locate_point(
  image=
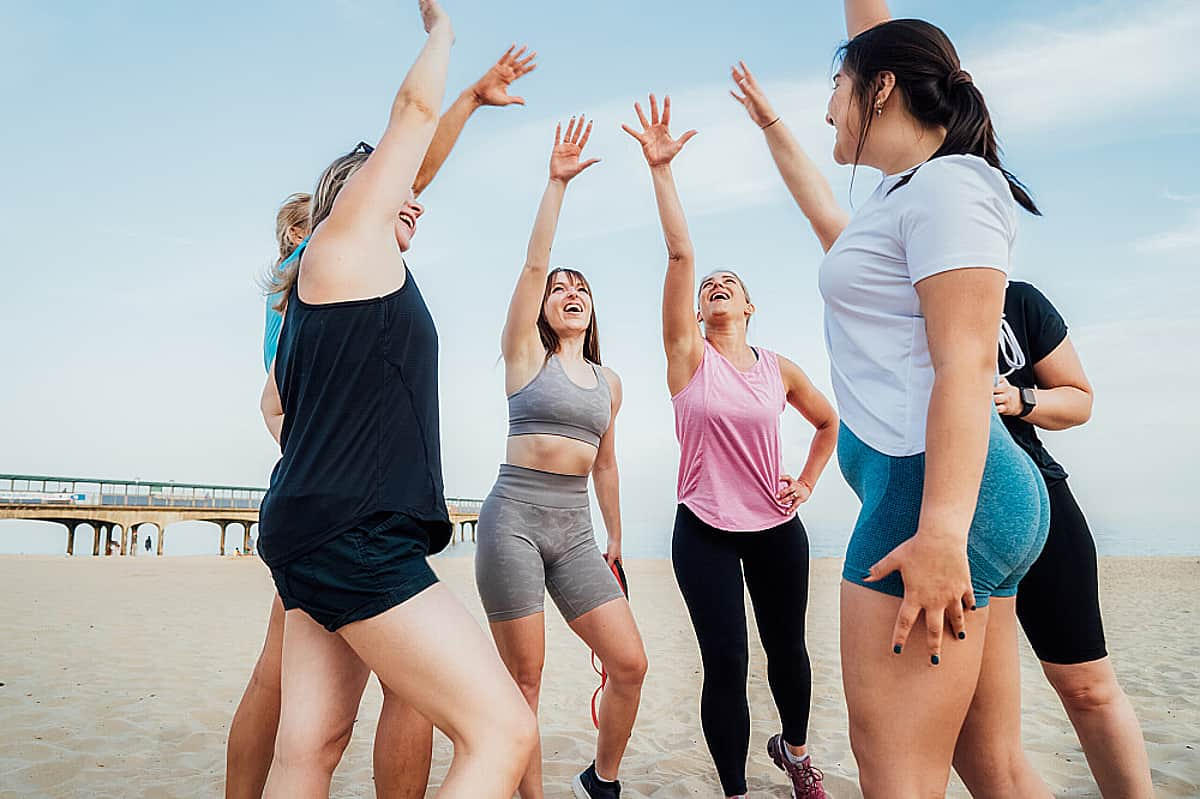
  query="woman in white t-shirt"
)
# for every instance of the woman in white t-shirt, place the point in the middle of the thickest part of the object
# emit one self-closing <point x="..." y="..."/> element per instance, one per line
<point x="954" y="513"/>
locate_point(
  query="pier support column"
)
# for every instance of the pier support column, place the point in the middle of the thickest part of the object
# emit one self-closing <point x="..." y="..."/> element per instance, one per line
<point x="474" y="527"/>
<point x="125" y="540"/>
<point x="162" y="528"/>
<point x="221" y="549"/>
<point x="70" y="538"/>
<point x="246" y="540"/>
<point x="96" y="540"/>
<point x="108" y="540"/>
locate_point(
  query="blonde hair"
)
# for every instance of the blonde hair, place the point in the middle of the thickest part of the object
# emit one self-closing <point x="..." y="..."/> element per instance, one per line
<point x="320" y="205"/>
<point x="293" y="213"/>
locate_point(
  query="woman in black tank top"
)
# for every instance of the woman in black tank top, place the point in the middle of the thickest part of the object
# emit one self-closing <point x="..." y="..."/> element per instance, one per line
<point x="356" y="502"/>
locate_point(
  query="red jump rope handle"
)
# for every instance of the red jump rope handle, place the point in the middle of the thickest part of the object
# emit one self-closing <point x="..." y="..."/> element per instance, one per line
<point x="619" y="574"/>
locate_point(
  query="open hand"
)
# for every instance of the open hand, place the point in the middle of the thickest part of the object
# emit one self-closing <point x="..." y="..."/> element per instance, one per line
<point x="793" y="492"/>
<point x="752" y="97"/>
<point x="937" y="583"/>
<point x="564" y="159"/>
<point x="492" y="88"/>
<point x="655" y="138"/>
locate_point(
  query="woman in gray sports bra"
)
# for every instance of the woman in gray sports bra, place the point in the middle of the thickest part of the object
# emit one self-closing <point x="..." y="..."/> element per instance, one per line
<point x="535" y="529"/>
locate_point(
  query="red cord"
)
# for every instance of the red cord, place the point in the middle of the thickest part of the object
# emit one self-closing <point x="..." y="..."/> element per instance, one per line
<point x="618" y="573"/>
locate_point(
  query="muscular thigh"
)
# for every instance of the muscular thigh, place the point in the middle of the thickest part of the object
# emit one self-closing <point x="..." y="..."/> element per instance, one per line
<point x="322" y="680"/>
<point x="905" y="713"/>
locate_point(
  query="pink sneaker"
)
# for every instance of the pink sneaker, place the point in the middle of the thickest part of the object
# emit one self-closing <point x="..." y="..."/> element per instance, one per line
<point x="806" y="778"/>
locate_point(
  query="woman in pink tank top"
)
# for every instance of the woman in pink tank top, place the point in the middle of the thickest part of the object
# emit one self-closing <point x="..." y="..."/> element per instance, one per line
<point x="736" y="526"/>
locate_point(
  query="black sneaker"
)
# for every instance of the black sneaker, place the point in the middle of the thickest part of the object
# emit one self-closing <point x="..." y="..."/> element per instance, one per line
<point x="587" y="785"/>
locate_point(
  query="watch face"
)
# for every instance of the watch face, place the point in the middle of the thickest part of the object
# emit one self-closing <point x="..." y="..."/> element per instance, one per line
<point x="1028" y="397"/>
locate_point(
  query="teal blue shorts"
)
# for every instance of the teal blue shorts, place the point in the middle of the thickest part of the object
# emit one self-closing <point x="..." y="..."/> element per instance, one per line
<point x="1012" y="516"/>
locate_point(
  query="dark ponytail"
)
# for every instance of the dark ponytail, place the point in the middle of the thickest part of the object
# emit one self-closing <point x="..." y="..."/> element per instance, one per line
<point x="936" y="89"/>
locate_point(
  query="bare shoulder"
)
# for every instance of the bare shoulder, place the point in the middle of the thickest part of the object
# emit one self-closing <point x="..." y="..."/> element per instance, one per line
<point x="793" y="376"/>
<point x="614" y="383"/>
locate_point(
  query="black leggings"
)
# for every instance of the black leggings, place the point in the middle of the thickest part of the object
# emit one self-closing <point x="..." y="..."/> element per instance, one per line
<point x="708" y="566"/>
<point x="1058" y="602"/>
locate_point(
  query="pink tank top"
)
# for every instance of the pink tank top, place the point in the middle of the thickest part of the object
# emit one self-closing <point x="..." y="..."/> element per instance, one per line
<point x="730" y="452"/>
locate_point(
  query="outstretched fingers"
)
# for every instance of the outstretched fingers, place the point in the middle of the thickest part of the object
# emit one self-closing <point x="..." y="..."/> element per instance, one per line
<point x="641" y="116"/>
<point x="587" y="132"/>
<point x="631" y="131"/>
<point x="685" y="138"/>
<point x="654" y="120"/>
<point x="558" y="134"/>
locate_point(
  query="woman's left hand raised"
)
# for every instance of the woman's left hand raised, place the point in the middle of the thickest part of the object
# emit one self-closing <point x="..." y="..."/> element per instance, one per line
<point x="564" y="159"/>
<point x="492" y="88"/>
<point x="657" y="144"/>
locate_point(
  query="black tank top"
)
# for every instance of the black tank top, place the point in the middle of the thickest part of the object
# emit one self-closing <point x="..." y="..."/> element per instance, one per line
<point x="358" y="383"/>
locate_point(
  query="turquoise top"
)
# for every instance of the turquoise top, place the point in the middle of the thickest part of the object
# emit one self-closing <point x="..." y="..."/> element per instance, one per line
<point x="274" y="321"/>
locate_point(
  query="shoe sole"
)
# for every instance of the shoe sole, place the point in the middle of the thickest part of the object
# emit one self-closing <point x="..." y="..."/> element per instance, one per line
<point x="578" y="789"/>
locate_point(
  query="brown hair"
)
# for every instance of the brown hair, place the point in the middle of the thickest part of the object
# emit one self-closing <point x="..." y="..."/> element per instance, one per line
<point x="319" y="207"/>
<point x="934" y="87"/>
<point x="591" y="338"/>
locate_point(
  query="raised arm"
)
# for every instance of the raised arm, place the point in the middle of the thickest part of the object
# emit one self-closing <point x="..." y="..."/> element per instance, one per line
<point x="520" y="342"/>
<point x="816" y="408"/>
<point x="864" y="14"/>
<point x="808" y="186"/>
<point x="681" y="333"/>
<point x="490" y="90"/>
<point x="374" y="195"/>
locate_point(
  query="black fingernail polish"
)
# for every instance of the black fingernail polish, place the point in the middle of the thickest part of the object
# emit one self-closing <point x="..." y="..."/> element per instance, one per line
<point x="962" y="636"/>
<point x="934" y="659"/>
<point x="974" y="608"/>
<point x="897" y="649"/>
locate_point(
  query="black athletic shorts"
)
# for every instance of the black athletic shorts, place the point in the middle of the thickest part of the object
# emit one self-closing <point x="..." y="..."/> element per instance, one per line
<point x="366" y="570"/>
<point x="1058" y="602"/>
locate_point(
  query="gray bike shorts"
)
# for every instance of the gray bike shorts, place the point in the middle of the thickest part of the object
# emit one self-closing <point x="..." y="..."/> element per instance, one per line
<point x="535" y="533"/>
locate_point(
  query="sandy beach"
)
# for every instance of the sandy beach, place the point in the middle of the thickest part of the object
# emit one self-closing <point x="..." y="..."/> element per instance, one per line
<point x="120" y="676"/>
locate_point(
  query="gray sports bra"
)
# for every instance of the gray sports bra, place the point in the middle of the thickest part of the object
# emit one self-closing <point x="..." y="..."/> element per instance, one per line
<point x="551" y="404"/>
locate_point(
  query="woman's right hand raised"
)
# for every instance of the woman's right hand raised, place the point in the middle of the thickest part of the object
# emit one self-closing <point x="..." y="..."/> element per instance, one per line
<point x="564" y="158"/>
<point x="432" y="14"/>
<point x="655" y="138"/>
<point x="752" y="97"/>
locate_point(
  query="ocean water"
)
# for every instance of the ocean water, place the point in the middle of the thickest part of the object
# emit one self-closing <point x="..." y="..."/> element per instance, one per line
<point x="827" y="539"/>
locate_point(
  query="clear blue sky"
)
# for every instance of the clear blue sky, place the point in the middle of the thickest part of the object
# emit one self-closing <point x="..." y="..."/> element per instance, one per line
<point x="148" y="146"/>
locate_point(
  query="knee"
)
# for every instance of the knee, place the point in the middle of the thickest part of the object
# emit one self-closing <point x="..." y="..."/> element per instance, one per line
<point x="305" y="745"/>
<point x="629" y="669"/>
<point x="528" y="677"/>
<point x="1087" y="695"/>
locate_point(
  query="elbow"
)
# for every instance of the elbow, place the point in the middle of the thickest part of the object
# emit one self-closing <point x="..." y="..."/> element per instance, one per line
<point x="414" y="104"/>
<point x="681" y="256"/>
<point x="1085" y="408"/>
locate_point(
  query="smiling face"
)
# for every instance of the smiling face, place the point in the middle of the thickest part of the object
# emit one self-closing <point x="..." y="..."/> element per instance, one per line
<point x="406" y="222"/>
<point x="723" y="297"/>
<point x="567" y="312"/>
<point x="567" y="306"/>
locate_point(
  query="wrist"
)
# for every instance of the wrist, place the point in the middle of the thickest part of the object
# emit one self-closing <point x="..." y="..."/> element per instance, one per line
<point x="774" y="119"/>
<point x="661" y="169"/>
<point x="473" y="97"/>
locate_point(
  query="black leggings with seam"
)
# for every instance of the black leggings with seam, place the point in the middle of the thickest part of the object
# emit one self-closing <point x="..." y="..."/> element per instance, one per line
<point x="709" y="567"/>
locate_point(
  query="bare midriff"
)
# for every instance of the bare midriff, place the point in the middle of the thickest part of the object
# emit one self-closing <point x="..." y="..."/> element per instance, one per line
<point x="548" y="453"/>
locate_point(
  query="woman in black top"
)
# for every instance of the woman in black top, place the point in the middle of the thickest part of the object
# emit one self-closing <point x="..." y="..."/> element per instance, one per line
<point x="1058" y="604"/>
<point x="356" y="501"/>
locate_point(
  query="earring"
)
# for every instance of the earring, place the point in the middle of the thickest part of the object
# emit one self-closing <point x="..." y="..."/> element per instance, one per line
<point x="879" y="109"/>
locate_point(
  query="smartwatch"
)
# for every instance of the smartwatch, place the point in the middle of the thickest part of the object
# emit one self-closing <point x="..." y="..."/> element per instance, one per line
<point x="1029" y="401"/>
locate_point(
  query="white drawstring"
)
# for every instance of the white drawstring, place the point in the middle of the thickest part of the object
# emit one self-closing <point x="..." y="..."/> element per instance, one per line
<point x="1010" y="348"/>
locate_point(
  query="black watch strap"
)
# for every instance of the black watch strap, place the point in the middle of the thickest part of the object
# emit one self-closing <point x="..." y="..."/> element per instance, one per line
<point x="1028" y="402"/>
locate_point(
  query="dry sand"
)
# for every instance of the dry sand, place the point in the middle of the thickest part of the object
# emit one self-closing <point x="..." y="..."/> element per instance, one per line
<point x="120" y="677"/>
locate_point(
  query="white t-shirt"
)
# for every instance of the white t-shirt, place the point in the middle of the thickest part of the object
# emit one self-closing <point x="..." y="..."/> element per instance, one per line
<point x="956" y="212"/>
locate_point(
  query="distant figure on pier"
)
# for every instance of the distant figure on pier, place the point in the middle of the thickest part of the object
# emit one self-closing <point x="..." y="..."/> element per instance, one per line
<point x="147" y="543"/>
